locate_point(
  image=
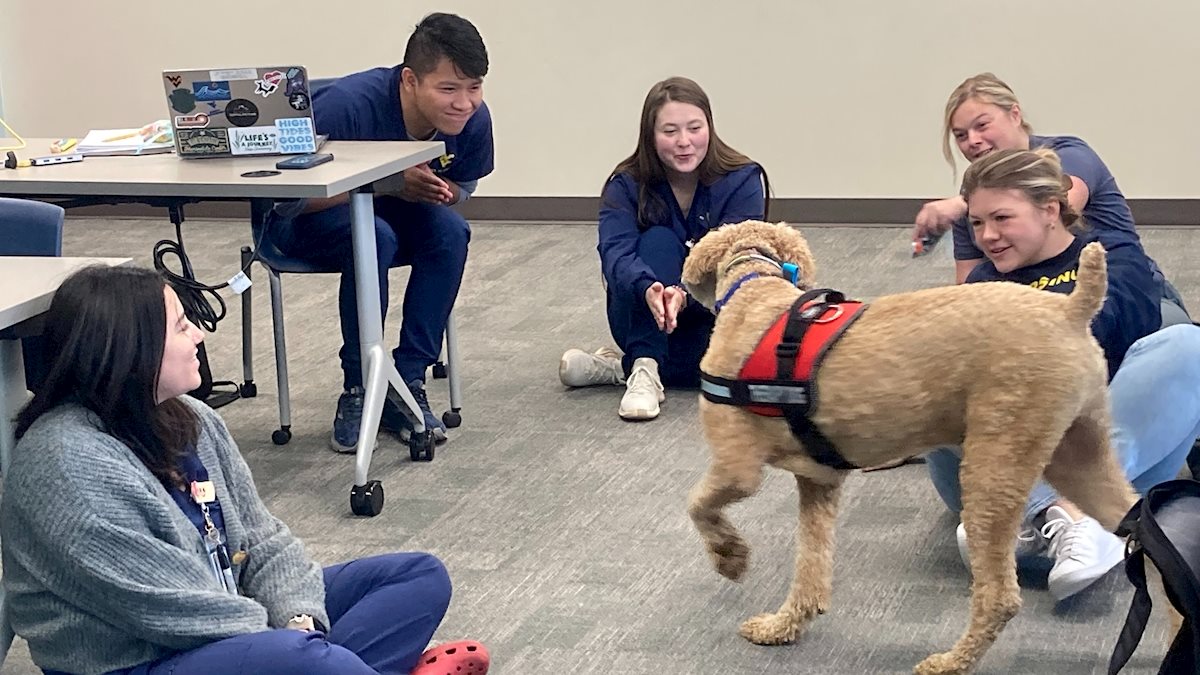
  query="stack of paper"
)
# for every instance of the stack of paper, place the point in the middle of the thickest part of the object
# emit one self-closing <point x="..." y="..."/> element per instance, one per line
<point x="150" y="139"/>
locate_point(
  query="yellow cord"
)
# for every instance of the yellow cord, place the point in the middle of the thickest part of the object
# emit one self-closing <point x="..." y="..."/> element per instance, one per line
<point x="20" y="141"/>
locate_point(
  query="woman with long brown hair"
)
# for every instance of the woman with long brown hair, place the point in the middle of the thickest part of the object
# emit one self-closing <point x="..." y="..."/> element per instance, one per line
<point x="681" y="181"/>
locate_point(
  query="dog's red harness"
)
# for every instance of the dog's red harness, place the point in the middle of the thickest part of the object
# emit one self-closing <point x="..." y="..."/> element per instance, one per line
<point x="778" y="379"/>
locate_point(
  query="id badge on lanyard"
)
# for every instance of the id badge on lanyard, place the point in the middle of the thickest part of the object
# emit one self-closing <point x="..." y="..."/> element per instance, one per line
<point x="203" y="493"/>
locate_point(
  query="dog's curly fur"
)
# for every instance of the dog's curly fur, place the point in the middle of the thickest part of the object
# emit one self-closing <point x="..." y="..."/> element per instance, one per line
<point x="1010" y="373"/>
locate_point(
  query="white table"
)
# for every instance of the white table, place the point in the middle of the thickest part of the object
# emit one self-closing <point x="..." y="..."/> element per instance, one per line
<point x="27" y="285"/>
<point x="356" y="166"/>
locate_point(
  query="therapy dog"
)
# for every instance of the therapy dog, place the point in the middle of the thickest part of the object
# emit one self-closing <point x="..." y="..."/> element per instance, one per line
<point x="1009" y="372"/>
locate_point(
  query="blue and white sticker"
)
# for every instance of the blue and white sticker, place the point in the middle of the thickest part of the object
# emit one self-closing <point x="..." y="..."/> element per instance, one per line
<point x="296" y="135"/>
<point x="253" y="140"/>
<point x="213" y="90"/>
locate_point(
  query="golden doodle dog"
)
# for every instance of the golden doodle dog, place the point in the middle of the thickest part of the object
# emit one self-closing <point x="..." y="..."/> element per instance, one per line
<point x="944" y="366"/>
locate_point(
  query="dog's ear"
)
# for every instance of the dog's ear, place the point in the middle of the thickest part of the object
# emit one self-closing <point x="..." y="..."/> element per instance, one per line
<point x="791" y="246"/>
<point x="700" y="267"/>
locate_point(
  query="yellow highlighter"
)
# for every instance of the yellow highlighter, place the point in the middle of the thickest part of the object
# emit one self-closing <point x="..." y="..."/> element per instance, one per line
<point x="120" y="137"/>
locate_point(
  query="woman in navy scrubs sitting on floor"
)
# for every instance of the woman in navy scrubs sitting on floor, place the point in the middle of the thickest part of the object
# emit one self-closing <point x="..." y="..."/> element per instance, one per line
<point x="680" y="182"/>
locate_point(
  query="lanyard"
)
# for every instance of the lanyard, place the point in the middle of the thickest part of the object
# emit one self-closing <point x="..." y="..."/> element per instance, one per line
<point x="203" y="493"/>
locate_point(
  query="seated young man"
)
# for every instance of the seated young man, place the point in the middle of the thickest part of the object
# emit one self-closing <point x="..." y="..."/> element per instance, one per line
<point x="436" y="94"/>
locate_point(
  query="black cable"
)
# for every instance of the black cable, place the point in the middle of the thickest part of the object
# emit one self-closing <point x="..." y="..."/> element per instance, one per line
<point x="192" y="294"/>
<point x="190" y="291"/>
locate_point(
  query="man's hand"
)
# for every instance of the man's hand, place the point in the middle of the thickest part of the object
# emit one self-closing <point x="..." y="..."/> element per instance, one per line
<point x="422" y="185"/>
<point x="665" y="304"/>
<point x="938" y="216"/>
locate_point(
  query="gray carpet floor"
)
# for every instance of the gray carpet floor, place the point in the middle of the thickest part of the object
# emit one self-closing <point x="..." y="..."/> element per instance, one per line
<point x="564" y="528"/>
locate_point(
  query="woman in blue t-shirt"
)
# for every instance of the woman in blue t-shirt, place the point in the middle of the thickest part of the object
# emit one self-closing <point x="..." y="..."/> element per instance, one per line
<point x="1021" y="218"/>
<point x="681" y="181"/>
<point x="983" y="115"/>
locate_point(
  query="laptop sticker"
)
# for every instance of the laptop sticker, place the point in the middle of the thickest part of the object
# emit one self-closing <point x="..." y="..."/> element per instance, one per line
<point x="197" y="121"/>
<point x="268" y="84"/>
<point x="241" y="113"/>
<point x="253" y="140"/>
<point x="215" y="90"/>
<point x="297" y="83"/>
<point x="233" y="74"/>
<point x="182" y="101"/>
<point x="203" y="141"/>
<point x="296" y="135"/>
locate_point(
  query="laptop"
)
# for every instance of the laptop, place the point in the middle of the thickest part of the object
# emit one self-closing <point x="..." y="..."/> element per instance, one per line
<point x="240" y="111"/>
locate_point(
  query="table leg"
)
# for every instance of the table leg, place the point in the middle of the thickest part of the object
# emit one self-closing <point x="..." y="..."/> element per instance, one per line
<point x="379" y="371"/>
<point x="12" y="397"/>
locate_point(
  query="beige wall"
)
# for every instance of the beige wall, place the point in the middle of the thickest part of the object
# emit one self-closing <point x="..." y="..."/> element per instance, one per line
<point x="837" y="99"/>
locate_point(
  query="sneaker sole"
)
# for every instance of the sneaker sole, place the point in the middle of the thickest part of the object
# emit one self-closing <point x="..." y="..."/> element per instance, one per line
<point x="1066" y="586"/>
<point x="346" y="449"/>
<point x="639" y="415"/>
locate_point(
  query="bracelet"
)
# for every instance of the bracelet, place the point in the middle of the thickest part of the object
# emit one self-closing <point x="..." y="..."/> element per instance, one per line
<point x="299" y="619"/>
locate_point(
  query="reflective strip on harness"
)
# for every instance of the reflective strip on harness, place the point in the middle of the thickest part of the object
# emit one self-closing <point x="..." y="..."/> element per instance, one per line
<point x="777" y="379"/>
<point x="748" y="393"/>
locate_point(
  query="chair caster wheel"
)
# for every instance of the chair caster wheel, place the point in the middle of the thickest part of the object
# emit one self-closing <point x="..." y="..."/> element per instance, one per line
<point x="367" y="500"/>
<point x="420" y="447"/>
<point x="281" y="436"/>
<point x="439" y="371"/>
<point x="452" y="419"/>
<point x="248" y="390"/>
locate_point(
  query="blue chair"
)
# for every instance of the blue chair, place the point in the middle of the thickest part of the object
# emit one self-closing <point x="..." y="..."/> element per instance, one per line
<point x="276" y="263"/>
<point x="27" y="228"/>
<point x="30" y="228"/>
<point x="34" y="229"/>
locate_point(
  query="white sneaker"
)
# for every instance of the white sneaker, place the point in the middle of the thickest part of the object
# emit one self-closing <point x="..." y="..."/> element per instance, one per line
<point x="1083" y="552"/>
<point x="1030" y="544"/>
<point x="581" y="369"/>
<point x="643" y="391"/>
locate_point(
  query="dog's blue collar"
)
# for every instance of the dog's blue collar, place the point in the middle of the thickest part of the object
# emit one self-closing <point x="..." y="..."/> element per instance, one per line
<point x="733" y="289"/>
<point x="791" y="272"/>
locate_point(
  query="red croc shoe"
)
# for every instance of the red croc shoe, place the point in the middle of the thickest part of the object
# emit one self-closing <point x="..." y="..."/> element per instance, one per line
<point x="464" y="657"/>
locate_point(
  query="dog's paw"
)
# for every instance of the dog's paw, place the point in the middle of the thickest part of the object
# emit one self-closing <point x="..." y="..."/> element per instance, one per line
<point x="770" y="629"/>
<point x="946" y="663"/>
<point x="731" y="558"/>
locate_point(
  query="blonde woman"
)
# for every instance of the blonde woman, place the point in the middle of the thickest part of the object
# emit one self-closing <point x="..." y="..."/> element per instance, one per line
<point x="1020" y="212"/>
<point x="983" y="116"/>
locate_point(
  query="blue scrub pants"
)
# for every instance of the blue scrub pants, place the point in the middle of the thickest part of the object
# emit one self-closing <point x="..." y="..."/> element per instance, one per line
<point x="633" y="326"/>
<point x="383" y="609"/>
<point x="430" y="238"/>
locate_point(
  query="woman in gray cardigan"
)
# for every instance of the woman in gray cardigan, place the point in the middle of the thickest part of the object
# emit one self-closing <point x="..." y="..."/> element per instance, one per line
<point x="134" y="540"/>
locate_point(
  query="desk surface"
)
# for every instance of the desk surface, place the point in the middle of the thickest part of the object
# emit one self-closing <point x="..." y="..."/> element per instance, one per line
<point x="28" y="284"/>
<point x="355" y="163"/>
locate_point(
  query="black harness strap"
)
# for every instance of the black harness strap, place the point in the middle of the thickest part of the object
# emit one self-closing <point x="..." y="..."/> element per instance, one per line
<point x="799" y="320"/>
<point x="1163" y="525"/>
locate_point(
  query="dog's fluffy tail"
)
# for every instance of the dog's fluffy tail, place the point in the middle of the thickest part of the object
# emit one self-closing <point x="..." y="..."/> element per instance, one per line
<point x="1091" y="285"/>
